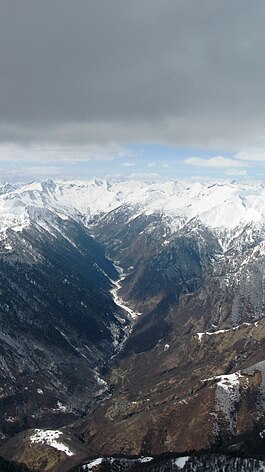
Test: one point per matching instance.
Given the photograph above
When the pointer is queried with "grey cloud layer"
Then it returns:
(186, 72)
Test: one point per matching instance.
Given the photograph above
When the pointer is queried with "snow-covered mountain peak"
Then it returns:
(222, 205)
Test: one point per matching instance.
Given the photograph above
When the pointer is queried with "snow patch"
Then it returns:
(50, 438)
(227, 397)
(181, 461)
(109, 460)
(62, 407)
(222, 331)
(228, 382)
(94, 463)
(145, 459)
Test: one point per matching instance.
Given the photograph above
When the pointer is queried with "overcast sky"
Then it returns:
(165, 88)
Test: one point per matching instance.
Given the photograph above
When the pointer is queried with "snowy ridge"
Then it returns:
(222, 205)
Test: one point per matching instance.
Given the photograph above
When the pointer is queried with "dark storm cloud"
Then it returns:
(189, 72)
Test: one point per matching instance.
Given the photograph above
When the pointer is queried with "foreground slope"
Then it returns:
(193, 463)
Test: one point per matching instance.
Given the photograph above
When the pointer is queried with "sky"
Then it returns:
(146, 89)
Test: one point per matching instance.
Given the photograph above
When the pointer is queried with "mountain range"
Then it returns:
(132, 320)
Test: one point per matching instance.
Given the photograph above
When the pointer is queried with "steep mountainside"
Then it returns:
(59, 324)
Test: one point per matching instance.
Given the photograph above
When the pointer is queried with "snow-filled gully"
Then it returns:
(119, 301)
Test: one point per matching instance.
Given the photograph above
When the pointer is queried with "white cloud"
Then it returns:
(256, 155)
(235, 172)
(115, 175)
(151, 164)
(143, 175)
(34, 172)
(39, 170)
(57, 153)
(128, 164)
(218, 162)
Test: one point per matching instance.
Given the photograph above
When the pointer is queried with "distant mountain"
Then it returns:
(157, 287)
(222, 206)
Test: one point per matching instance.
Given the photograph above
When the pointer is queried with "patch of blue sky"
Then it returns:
(165, 151)
(142, 161)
